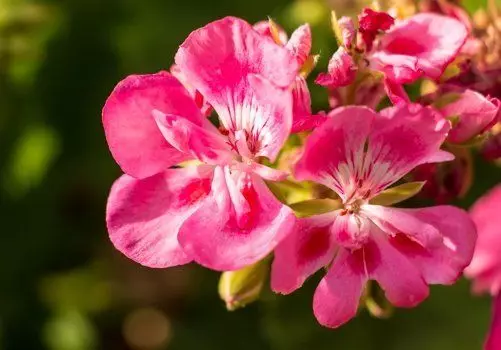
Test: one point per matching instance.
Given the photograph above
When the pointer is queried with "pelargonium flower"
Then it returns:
(358, 153)
(220, 212)
(485, 268)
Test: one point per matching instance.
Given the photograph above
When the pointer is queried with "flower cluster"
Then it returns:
(227, 165)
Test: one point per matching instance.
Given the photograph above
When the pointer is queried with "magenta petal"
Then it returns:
(439, 241)
(304, 251)
(344, 133)
(485, 267)
(338, 294)
(300, 43)
(396, 92)
(396, 274)
(232, 228)
(204, 143)
(263, 28)
(475, 113)
(144, 215)
(132, 134)
(493, 341)
(432, 40)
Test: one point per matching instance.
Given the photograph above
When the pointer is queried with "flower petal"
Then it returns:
(341, 71)
(304, 251)
(132, 134)
(204, 143)
(485, 267)
(144, 215)
(438, 240)
(331, 145)
(338, 294)
(493, 340)
(300, 43)
(398, 277)
(232, 230)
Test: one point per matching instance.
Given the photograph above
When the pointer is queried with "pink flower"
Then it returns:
(485, 268)
(358, 154)
(422, 45)
(348, 32)
(341, 70)
(475, 115)
(219, 213)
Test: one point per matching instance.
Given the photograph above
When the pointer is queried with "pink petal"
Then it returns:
(340, 72)
(476, 115)
(351, 231)
(240, 223)
(301, 109)
(485, 267)
(396, 274)
(493, 341)
(202, 142)
(338, 294)
(371, 152)
(300, 43)
(144, 216)
(304, 251)
(200, 101)
(374, 21)
(396, 92)
(432, 40)
(408, 136)
(263, 28)
(223, 59)
(438, 240)
(132, 134)
(328, 147)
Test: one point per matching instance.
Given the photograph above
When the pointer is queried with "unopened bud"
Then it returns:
(241, 287)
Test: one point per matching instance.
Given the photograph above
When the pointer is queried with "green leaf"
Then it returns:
(398, 193)
(315, 206)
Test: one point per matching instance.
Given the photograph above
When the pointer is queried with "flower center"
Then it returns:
(353, 206)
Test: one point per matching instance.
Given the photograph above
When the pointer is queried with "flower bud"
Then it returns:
(241, 287)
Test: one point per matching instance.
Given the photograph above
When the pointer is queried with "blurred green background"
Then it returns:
(62, 285)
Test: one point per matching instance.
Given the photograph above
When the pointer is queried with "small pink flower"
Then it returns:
(219, 213)
(485, 268)
(475, 115)
(358, 154)
(341, 70)
(422, 45)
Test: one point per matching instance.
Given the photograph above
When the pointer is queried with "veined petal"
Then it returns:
(304, 251)
(202, 142)
(337, 296)
(144, 215)
(132, 134)
(233, 229)
(246, 79)
(335, 149)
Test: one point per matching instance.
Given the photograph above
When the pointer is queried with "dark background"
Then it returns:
(62, 285)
